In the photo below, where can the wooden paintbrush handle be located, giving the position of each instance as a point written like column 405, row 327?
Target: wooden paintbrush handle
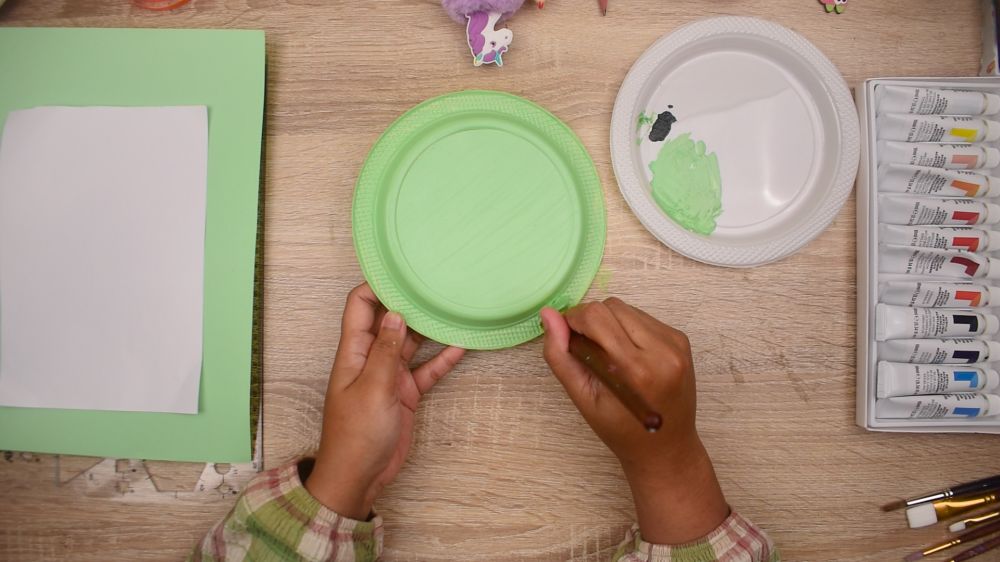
column 598, row 361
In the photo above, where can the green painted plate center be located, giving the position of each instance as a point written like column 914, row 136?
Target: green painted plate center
column 485, row 239
column 472, row 212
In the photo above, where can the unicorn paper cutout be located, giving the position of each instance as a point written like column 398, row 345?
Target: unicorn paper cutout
column 487, row 43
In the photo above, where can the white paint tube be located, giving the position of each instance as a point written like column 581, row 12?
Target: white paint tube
column 936, row 128
column 921, row 180
column 938, row 406
column 936, row 295
column 902, row 379
column 935, row 155
column 942, row 211
column 903, row 322
column 937, row 263
column 940, row 237
column 951, row 351
column 931, row 101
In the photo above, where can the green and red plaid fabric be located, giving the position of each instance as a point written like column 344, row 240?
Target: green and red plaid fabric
column 276, row 519
column 735, row 540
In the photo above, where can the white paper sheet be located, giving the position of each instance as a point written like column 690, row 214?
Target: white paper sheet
column 102, row 249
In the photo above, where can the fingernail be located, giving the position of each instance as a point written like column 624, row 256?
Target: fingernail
column 392, row 321
column 543, row 322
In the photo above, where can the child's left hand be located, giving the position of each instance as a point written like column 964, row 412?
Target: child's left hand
column 370, row 402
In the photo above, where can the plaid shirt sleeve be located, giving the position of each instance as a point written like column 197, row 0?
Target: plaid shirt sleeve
column 735, row 540
column 276, row 519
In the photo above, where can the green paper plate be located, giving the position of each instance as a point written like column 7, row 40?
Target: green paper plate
column 472, row 212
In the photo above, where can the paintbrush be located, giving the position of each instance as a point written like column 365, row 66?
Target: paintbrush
column 964, row 538
column 598, row 361
column 603, row 4
column 982, row 485
column 975, row 521
column 982, row 547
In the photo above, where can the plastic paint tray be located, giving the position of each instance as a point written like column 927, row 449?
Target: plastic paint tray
column 472, row 212
column 774, row 110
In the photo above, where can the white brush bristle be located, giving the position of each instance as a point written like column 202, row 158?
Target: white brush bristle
column 956, row 527
column 921, row 515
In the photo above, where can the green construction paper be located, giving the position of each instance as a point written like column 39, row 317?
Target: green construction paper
column 223, row 70
column 472, row 212
column 687, row 184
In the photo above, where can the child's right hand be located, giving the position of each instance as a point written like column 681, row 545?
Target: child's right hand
column 676, row 493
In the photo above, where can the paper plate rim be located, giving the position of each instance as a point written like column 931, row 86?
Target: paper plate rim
column 364, row 224
column 704, row 249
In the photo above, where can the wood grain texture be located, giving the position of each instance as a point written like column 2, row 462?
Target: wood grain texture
column 503, row 467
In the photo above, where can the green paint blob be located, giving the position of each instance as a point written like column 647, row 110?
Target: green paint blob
column 644, row 121
column 687, row 184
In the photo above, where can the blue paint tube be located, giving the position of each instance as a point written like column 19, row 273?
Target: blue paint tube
column 938, row 406
column 903, row 379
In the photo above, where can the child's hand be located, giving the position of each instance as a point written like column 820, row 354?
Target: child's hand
column 677, row 496
column 370, row 402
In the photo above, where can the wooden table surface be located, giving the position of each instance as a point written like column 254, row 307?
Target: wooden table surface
column 503, row 467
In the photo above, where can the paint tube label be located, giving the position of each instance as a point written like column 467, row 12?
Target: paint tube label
column 934, row 295
column 932, row 101
column 936, row 128
column 920, row 261
column 901, row 322
column 964, row 238
column 950, row 351
column 938, row 406
column 901, row 379
column 909, row 211
column 920, row 180
column 935, row 155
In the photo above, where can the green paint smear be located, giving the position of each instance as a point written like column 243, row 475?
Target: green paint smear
column 687, row 184
column 603, row 279
column 644, row 121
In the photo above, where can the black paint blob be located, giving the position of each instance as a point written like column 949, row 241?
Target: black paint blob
column 661, row 128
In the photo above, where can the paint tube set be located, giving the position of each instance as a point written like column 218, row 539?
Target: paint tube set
column 927, row 278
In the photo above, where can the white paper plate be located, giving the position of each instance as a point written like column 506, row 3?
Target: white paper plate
column 776, row 112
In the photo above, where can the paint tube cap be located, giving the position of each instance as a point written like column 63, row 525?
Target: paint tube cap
column 992, row 104
column 994, row 272
column 992, row 324
column 992, row 131
column 921, row 515
column 993, row 244
column 992, row 214
column 992, row 294
column 992, row 157
column 992, row 380
column 994, row 348
column 994, row 405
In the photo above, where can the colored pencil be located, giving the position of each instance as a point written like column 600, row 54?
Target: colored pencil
column 983, row 485
column 598, row 361
column 603, row 4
